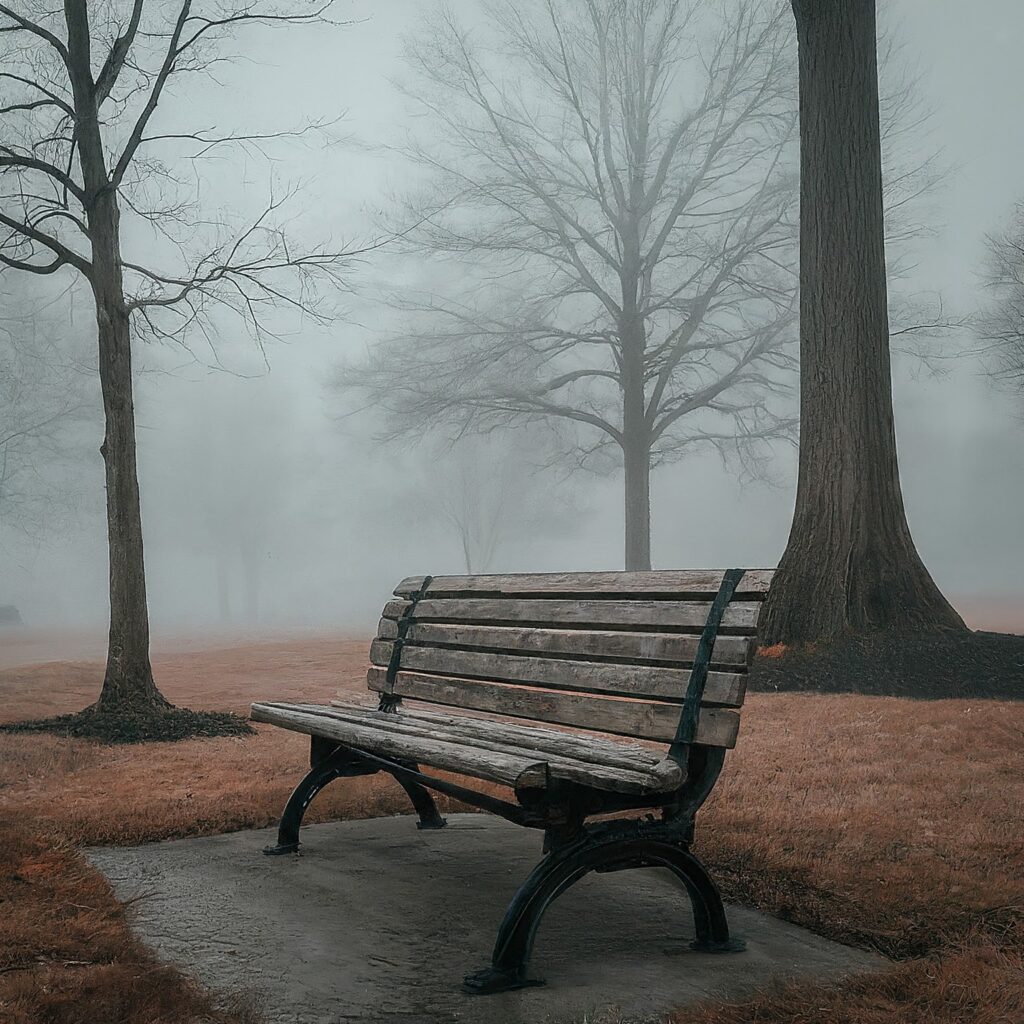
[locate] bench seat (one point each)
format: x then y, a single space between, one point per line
523 757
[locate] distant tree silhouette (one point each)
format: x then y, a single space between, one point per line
1002 324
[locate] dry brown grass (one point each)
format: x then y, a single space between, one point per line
84 793
978 982
889 823
67 954
881 821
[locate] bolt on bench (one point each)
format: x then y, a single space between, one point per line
655 656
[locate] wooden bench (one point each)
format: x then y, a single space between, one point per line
659 657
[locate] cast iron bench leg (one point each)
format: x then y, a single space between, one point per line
564 867
422 801
315 779
341 764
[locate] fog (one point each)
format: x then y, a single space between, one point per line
267 502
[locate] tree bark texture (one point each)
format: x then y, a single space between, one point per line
850 564
128 679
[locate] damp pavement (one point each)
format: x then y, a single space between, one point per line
376 921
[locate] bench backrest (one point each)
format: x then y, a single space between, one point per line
603 651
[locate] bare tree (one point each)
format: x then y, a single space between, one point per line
1002 324
80 88
621 207
616 185
851 564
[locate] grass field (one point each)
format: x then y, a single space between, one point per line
886 823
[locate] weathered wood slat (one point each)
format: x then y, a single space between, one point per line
669 582
663 647
640 614
387 735
724 689
618 753
626 717
494 767
601 764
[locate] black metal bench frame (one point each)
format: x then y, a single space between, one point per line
572 848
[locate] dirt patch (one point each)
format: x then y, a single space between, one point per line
924 666
165 725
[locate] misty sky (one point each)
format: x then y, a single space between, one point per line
262 500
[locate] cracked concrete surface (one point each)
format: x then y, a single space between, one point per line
376 921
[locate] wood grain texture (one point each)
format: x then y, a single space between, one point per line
676 648
393 735
671 583
622 753
637 614
722 689
641 719
589 760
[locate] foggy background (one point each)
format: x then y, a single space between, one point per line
265 501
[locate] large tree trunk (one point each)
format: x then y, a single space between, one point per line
128 680
851 564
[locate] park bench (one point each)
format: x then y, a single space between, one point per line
658 657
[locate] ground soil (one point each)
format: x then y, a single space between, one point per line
888 823
932 667
159 725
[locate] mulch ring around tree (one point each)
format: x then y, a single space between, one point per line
929 665
167 724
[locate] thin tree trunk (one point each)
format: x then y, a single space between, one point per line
638 507
636 460
636 436
851 564
128 680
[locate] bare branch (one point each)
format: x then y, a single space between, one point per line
21 23
156 90
64 255
1001 324
9 158
115 62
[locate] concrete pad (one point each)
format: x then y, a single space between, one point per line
377 921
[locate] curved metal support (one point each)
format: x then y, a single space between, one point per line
614 851
332 767
344 763
422 801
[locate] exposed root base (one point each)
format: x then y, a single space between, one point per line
138 725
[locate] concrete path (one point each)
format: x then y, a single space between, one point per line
377 921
